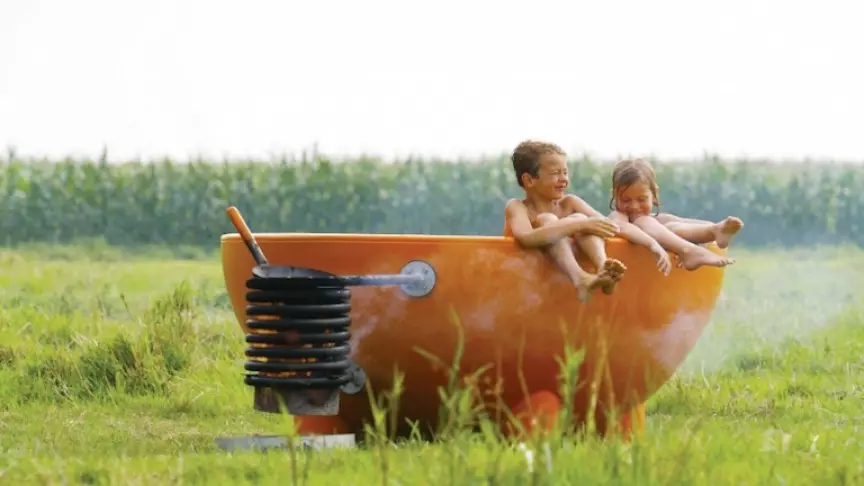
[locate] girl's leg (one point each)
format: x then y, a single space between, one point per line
669 218
691 255
562 253
700 231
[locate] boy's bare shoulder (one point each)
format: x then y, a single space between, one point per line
571 203
572 199
515 200
515 205
575 204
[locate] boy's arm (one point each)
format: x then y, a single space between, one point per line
626 229
528 236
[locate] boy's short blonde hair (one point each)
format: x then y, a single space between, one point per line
526 157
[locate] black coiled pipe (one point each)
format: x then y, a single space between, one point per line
300 325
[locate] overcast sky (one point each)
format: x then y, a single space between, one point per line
665 78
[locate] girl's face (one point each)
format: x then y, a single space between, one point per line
635 200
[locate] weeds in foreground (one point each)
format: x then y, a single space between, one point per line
464 421
778 401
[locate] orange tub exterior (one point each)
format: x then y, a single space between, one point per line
516 311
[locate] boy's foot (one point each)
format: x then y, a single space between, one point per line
614 269
700 256
590 283
725 230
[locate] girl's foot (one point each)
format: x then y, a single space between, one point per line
725 230
699 256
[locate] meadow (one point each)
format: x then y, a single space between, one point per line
121 362
122 367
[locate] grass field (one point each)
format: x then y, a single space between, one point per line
123 369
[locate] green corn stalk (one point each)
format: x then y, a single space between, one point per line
167 202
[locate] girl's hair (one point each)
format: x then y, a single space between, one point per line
630 171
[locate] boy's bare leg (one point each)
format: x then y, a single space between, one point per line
595 248
691 255
706 232
562 253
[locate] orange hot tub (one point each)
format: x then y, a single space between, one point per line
516 312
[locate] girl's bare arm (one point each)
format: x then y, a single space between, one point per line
631 232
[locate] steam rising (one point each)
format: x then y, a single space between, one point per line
771 297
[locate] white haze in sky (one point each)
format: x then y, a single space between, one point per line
666 78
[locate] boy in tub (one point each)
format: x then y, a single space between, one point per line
635 192
549 219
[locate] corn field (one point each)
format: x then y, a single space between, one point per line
184 203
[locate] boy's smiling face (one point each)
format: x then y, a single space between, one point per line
552 177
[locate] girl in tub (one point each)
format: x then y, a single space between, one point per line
635 193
